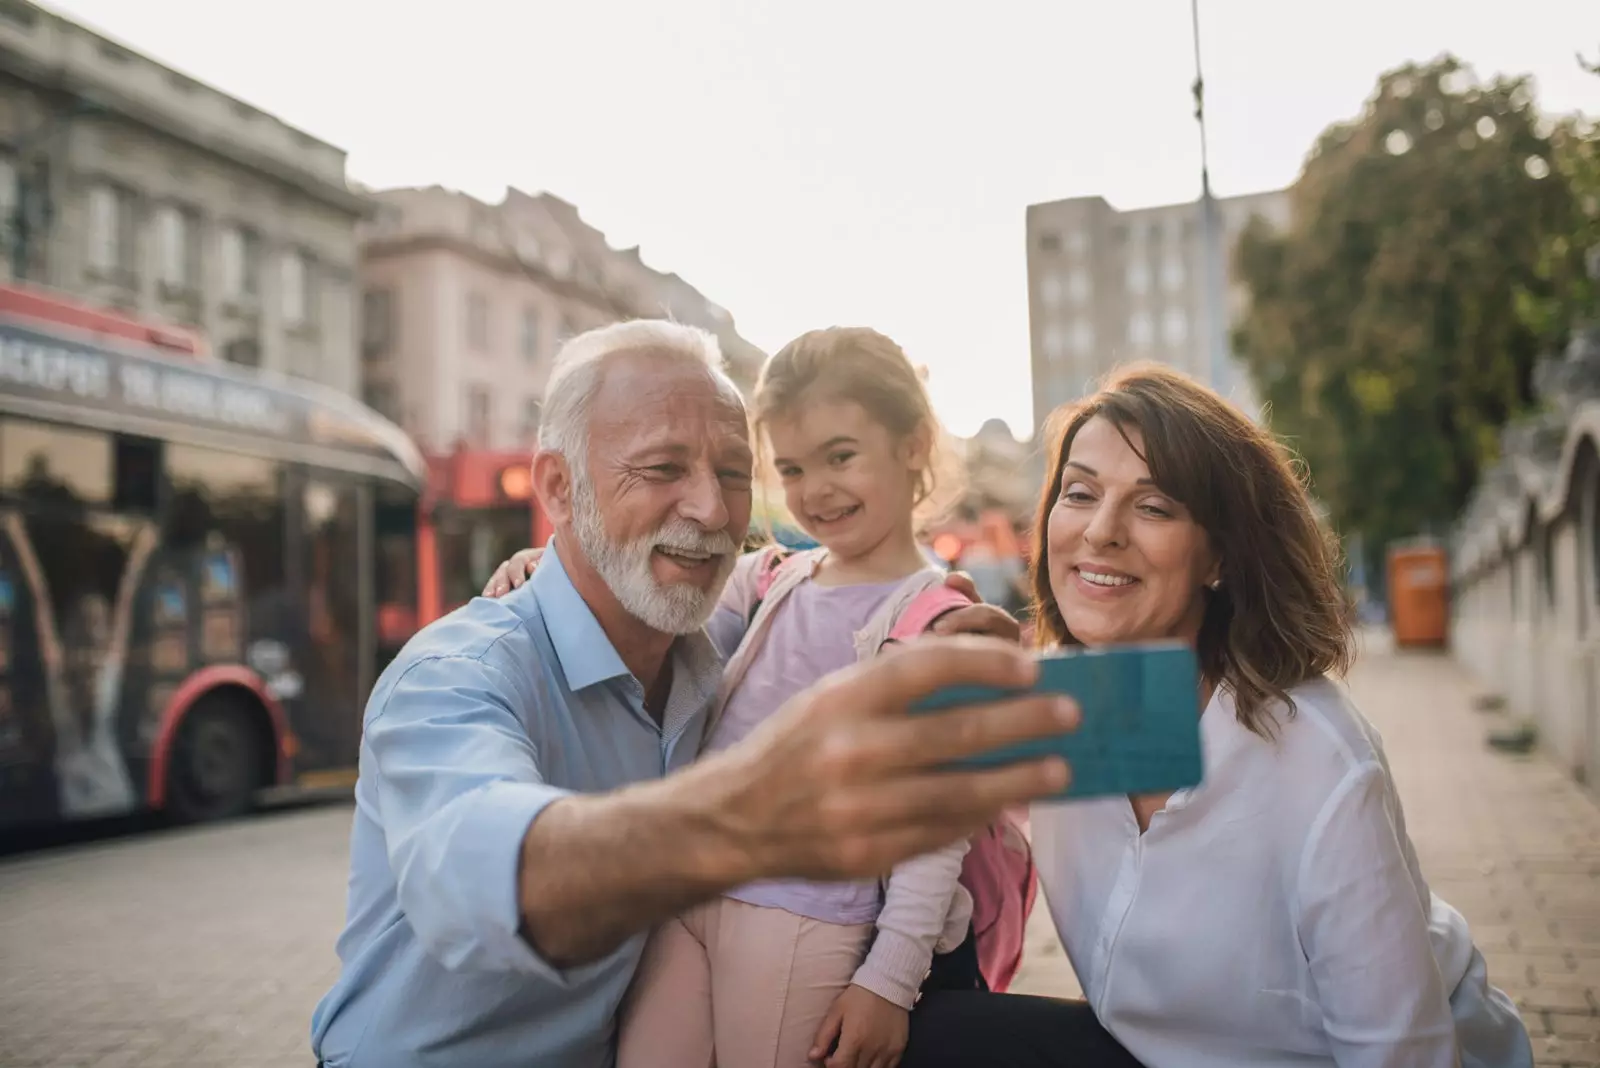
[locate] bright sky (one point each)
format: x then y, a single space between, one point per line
827 162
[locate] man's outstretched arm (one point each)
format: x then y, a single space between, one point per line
840 784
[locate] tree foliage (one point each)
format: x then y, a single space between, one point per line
1391 328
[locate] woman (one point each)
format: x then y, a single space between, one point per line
1275 914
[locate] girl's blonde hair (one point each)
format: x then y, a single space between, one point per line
859 364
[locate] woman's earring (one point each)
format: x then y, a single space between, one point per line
1216 584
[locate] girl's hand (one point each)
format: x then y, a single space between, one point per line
513 573
862 1030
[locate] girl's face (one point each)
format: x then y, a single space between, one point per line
847 480
1127 562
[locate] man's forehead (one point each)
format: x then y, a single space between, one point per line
664 404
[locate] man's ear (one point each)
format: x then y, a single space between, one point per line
552 485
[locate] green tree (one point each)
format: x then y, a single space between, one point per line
1388 328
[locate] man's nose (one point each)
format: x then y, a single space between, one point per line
703 501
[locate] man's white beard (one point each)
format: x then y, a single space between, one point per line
673 608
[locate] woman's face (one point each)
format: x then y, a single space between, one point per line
1127 562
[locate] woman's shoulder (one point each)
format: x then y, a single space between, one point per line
1320 735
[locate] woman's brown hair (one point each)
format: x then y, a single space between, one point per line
1278 618
859 364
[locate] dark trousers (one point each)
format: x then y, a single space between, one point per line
977 1029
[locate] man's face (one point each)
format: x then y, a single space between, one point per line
663 504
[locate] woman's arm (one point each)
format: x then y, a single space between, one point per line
1363 923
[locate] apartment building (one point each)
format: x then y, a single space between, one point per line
128 183
466 302
1107 287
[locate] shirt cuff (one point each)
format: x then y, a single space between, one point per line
894 969
491 843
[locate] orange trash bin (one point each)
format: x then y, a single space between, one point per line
1419 594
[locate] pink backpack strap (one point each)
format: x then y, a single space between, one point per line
776 555
924 610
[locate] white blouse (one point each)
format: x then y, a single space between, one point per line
1275 915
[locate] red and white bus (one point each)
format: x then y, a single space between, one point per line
202 569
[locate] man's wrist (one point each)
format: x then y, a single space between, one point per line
721 850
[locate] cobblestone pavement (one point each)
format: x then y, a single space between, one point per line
1507 840
210 947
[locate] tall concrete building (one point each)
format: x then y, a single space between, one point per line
1107 287
465 304
129 184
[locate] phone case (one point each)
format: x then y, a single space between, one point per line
1141 719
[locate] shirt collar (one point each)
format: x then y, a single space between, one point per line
587 656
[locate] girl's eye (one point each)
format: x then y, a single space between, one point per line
841 458
788 472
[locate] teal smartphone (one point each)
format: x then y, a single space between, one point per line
1140 732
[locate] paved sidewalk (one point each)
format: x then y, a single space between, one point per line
1507 840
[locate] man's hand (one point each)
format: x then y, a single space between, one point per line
869 1031
512 573
841 783
980 618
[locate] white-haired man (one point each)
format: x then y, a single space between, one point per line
526 812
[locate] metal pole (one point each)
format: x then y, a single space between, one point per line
1210 235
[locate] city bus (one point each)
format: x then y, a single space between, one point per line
203 568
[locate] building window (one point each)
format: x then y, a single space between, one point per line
241 263
1078 242
178 244
1175 327
380 397
1082 338
297 303
1138 278
478 321
244 351
377 321
1078 287
528 431
8 199
530 335
111 229
1172 273
1140 331
1051 342
1049 241
478 402
1050 290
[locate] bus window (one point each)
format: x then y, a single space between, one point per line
53 465
395 571
330 563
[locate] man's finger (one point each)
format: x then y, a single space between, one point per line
924 740
948 805
962 583
886 685
978 619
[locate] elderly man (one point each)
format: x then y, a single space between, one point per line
526 812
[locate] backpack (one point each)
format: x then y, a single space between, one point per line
998 870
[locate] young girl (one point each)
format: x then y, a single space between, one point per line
781 974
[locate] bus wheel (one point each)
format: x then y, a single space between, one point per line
216 760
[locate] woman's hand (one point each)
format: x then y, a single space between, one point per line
513 573
980 618
869 1031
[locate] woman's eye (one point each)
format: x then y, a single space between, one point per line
1160 511
1077 493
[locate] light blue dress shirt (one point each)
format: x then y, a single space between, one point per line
486 717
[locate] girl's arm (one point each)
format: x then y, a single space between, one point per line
916 911
1363 923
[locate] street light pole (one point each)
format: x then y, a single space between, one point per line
1210 235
